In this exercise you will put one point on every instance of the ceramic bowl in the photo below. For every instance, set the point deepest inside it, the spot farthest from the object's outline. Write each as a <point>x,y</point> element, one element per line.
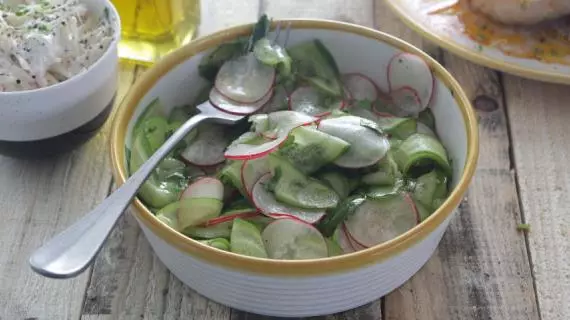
<point>309,287</point>
<point>50,120</point>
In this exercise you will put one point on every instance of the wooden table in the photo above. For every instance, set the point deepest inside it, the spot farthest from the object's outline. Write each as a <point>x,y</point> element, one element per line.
<point>484,267</point>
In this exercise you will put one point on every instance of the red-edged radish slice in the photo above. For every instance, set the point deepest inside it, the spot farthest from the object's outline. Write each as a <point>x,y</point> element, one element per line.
<point>366,146</point>
<point>283,216</point>
<point>245,79</point>
<point>265,202</point>
<point>291,239</point>
<point>307,100</point>
<point>409,70</point>
<point>206,187</point>
<point>221,102</point>
<point>407,100</point>
<point>342,240</point>
<point>243,151</point>
<point>353,243</point>
<point>207,149</point>
<point>378,221</point>
<point>279,101</point>
<point>360,86</point>
<point>222,219</point>
<point>252,171</point>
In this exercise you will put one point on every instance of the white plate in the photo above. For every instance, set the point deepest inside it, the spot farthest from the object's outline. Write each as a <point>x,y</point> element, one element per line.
<point>440,22</point>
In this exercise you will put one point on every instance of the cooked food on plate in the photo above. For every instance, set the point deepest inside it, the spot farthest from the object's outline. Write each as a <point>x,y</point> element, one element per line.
<point>522,12</point>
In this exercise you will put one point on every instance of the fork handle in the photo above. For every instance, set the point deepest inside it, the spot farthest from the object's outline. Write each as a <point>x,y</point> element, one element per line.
<point>72,251</point>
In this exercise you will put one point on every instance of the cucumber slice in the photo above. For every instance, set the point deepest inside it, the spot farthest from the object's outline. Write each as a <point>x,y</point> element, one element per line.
<point>244,151</point>
<point>309,149</point>
<point>333,247</point>
<point>195,211</point>
<point>205,188</point>
<point>429,187</point>
<point>154,109</point>
<point>218,100</point>
<point>411,71</point>
<point>168,215</point>
<point>219,243</point>
<point>423,212</point>
<point>292,187</point>
<point>245,79</point>
<point>291,239</point>
<point>378,221</point>
<point>309,101</point>
<point>401,128</point>
<point>252,171</point>
<point>366,146</point>
<point>386,174</point>
<point>280,123</point>
<point>316,65</point>
<point>419,153</point>
<point>424,129</point>
<point>360,86</point>
<point>266,203</point>
<point>208,147</point>
<point>334,218</point>
<point>246,239</point>
<point>272,55</point>
<point>342,240</point>
<point>338,182</point>
<point>231,174</point>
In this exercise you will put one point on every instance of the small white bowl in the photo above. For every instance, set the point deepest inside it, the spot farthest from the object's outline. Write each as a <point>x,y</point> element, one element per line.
<point>54,119</point>
<point>307,287</point>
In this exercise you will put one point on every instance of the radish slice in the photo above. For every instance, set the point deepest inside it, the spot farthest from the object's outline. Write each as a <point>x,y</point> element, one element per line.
<point>360,86</point>
<point>206,187</point>
<point>228,218</point>
<point>308,101</point>
<point>279,101</point>
<point>252,171</point>
<point>353,243</point>
<point>243,151</point>
<point>282,122</point>
<point>291,239</point>
<point>221,102</point>
<point>245,79</point>
<point>378,221</point>
<point>341,238</point>
<point>265,202</point>
<point>409,70</point>
<point>207,149</point>
<point>366,146</point>
<point>407,100</point>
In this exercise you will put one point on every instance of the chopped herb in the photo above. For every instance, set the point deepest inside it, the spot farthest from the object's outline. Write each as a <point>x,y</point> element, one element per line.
<point>523,227</point>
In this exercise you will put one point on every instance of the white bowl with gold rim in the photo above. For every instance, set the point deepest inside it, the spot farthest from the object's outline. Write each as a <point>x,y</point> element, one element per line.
<point>307,287</point>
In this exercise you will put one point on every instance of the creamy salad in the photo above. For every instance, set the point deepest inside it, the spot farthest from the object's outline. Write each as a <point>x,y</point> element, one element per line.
<point>46,42</point>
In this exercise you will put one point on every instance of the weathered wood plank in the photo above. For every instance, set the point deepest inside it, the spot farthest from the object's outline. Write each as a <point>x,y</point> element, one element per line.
<point>128,280</point>
<point>480,270</point>
<point>538,116</point>
<point>359,12</point>
<point>38,200</point>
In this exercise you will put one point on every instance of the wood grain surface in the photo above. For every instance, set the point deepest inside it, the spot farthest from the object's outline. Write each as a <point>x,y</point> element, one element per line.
<point>484,267</point>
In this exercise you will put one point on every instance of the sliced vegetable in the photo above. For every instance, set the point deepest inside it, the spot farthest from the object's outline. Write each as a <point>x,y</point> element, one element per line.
<point>231,174</point>
<point>333,248</point>
<point>315,64</point>
<point>292,187</point>
<point>291,239</point>
<point>411,71</point>
<point>386,174</point>
<point>422,128</point>
<point>338,182</point>
<point>205,188</point>
<point>334,218</point>
<point>195,211</point>
<point>386,191</point>
<point>340,237</point>
<point>366,145</point>
<point>400,128</point>
<point>218,243</point>
<point>360,86</point>
<point>252,171</point>
<point>245,79</point>
<point>211,64</point>
<point>246,239</point>
<point>272,55</point>
<point>378,221</point>
<point>310,101</point>
<point>233,107</point>
<point>208,147</point>
<point>280,123</point>
<point>265,201</point>
<point>279,101</point>
<point>154,109</point>
<point>309,149</point>
<point>419,153</point>
<point>168,215</point>
<point>244,151</point>
<point>407,100</point>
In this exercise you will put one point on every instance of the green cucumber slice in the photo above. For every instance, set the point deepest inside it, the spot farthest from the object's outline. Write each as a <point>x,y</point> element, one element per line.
<point>339,182</point>
<point>246,239</point>
<point>419,153</point>
<point>333,247</point>
<point>195,211</point>
<point>291,239</point>
<point>218,243</point>
<point>334,218</point>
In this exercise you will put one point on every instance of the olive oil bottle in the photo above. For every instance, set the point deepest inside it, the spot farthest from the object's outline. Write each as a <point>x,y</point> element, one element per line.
<point>153,28</point>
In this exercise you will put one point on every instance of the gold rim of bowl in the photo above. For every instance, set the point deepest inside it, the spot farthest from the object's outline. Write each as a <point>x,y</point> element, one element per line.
<point>475,56</point>
<point>242,263</point>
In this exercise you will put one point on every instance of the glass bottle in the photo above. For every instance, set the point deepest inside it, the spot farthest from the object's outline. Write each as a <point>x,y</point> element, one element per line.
<point>153,28</point>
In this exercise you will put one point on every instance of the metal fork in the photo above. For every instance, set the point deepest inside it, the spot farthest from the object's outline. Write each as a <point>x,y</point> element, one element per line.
<point>72,251</point>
